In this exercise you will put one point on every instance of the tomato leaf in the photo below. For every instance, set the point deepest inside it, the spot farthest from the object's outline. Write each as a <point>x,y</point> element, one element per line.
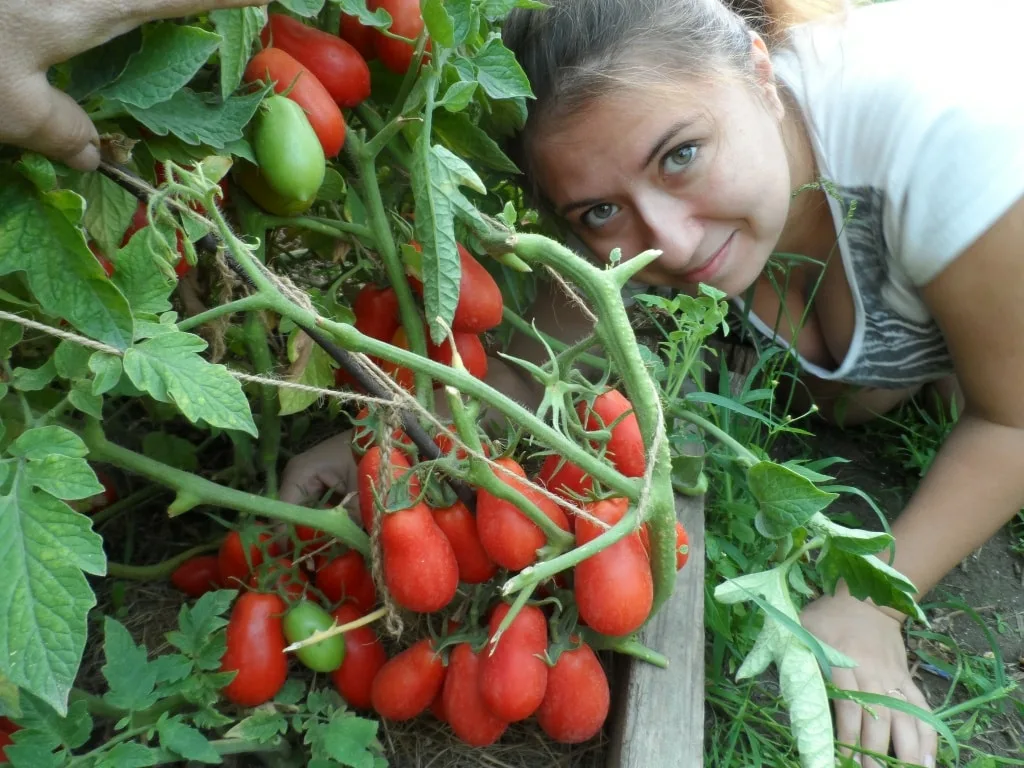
<point>36,237</point>
<point>171,55</point>
<point>44,597</point>
<point>787,499</point>
<point>34,379</point>
<point>198,635</point>
<point>239,28</point>
<point>462,15</point>
<point>147,288</point>
<point>468,140</point>
<point>348,738</point>
<point>439,24</point>
<point>379,18</point>
<point>10,334</point>
<point>187,742</point>
<point>129,754</point>
<point>170,369</point>
<point>498,72</point>
<point>71,360</point>
<point>494,10</point>
<point>107,369</point>
<point>63,476</point>
<point>316,371</point>
<point>38,170</point>
<point>129,674</point>
<point>307,8</point>
<point>108,211</point>
<point>41,442</point>
<point>263,726</point>
<point>458,96</point>
<point>102,65</point>
<point>868,576</point>
<point>852,540</point>
<point>199,118</point>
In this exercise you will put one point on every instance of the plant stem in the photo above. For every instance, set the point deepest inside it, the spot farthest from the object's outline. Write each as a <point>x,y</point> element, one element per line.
<point>330,227</point>
<point>270,411</point>
<point>340,526</point>
<point>625,645</point>
<point>225,747</point>
<point>743,454</point>
<point>157,571</point>
<point>95,705</point>
<point>252,302</point>
<point>398,105</point>
<point>375,146</point>
<point>557,345</point>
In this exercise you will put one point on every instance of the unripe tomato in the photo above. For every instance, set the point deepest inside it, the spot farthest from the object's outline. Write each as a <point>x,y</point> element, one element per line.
<point>364,657</point>
<point>577,699</point>
<point>513,674</point>
<point>420,569</point>
<point>197,576</point>
<point>625,448</point>
<point>251,179</point>
<point>301,622</point>
<point>255,649</point>
<point>461,702</point>
<point>407,22</point>
<point>288,152</point>
<point>480,302</point>
<point>471,351</point>
<point>334,62</point>
<point>614,588</point>
<point>407,684</point>
<point>358,36</point>
<point>459,527</point>
<point>306,91</point>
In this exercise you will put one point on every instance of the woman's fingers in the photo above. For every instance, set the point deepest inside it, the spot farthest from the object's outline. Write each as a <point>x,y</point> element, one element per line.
<point>848,713</point>
<point>875,732</point>
<point>927,737</point>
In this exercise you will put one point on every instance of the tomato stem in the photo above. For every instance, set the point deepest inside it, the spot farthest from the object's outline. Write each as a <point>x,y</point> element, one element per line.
<point>744,455</point>
<point>157,571</point>
<point>513,611</point>
<point>398,105</point>
<point>140,496</point>
<point>255,336</point>
<point>253,302</point>
<point>329,227</point>
<point>519,324</point>
<point>629,646</point>
<point>338,629</point>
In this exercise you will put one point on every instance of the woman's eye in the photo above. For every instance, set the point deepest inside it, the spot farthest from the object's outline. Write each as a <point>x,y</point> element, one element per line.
<point>599,215</point>
<point>679,158</point>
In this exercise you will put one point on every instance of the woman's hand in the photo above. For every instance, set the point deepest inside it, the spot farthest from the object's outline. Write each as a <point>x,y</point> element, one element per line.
<point>36,35</point>
<point>327,465</point>
<point>872,639</point>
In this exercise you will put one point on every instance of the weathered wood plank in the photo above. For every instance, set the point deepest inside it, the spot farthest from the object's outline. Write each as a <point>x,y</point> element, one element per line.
<point>658,720</point>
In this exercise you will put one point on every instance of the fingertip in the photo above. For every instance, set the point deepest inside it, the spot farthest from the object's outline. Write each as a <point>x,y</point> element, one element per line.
<point>86,159</point>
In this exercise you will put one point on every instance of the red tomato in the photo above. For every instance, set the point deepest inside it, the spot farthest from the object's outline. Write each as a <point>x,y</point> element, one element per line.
<point>197,576</point>
<point>577,699</point>
<point>513,674</point>
<point>563,477</point>
<point>480,301</point>
<point>231,558</point>
<point>107,264</point>
<point>682,543</point>
<point>625,449</point>
<point>368,474</point>
<point>8,726</point>
<point>334,62</point>
<point>346,578</point>
<point>364,657</point>
<point>614,589</point>
<point>459,527</point>
<point>470,348</point>
<point>281,576</point>
<point>404,376</point>
<point>461,703</point>
<point>406,22</point>
<point>377,316</point>
<point>358,36</point>
<point>509,537</point>
<point>308,92</point>
<point>255,648</point>
<point>364,433</point>
<point>420,569</point>
<point>5,741</point>
<point>408,682</point>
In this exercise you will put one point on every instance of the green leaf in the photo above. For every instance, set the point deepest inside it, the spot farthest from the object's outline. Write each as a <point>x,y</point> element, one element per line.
<point>10,335</point>
<point>41,442</point>
<point>199,625</point>
<point>107,369</point>
<point>239,28</point>
<point>101,65</point>
<point>108,211</point>
<point>307,8</point>
<point>461,13</point>
<point>71,360</point>
<point>171,55</point>
<point>494,10</point>
<point>379,18</point>
<point>63,476</point>
<point>128,672</point>
<point>866,576</point>
<point>82,399</point>
<point>170,369</point>
<point>498,72</point>
<point>348,738</point>
<point>316,373</point>
<point>787,499</point>
<point>470,141</point>
<point>38,170</point>
<point>44,597</point>
<point>68,281</point>
<point>171,450</point>
<point>459,96</point>
<point>439,24</point>
<point>850,540</point>
<point>263,727</point>
<point>129,754</point>
<point>187,742</point>
<point>200,118</point>
<point>139,276</point>
<point>333,187</point>
<point>34,379</point>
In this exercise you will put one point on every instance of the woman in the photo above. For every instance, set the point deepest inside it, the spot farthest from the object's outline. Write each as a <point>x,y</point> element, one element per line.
<point>886,144</point>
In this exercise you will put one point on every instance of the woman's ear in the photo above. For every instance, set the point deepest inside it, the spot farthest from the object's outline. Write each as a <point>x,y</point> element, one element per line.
<point>764,75</point>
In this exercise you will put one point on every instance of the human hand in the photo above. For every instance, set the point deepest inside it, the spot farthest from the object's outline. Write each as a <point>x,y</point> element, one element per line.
<point>312,473</point>
<point>36,35</point>
<point>872,639</point>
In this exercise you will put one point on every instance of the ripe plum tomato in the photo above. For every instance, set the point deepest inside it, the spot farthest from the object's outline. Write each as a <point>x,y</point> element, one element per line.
<point>197,576</point>
<point>407,22</point>
<point>407,684</point>
<point>255,649</point>
<point>462,704</point>
<point>480,304</point>
<point>577,698</point>
<point>419,564</point>
<point>513,674</point>
<point>625,448</point>
<point>364,656</point>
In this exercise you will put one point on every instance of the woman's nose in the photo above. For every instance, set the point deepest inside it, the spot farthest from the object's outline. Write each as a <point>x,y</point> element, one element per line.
<point>672,229</point>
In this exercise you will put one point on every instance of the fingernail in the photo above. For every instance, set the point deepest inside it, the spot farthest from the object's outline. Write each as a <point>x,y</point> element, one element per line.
<point>929,761</point>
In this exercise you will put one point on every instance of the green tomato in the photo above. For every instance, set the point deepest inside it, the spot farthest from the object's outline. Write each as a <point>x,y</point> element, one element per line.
<point>250,179</point>
<point>301,622</point>
<point>288,152</point>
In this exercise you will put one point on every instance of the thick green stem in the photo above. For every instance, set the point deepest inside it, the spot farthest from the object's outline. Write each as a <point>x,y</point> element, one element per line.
<point>743,454</point>
<point>338,525</point>
<point>557,345</point>
<point>250,303</point>
<point>376,145</point>
<point>330,227</point>
<point>270,410</point>
<point>625,645</point>
<point>398,106</point>
<point>95,704</point>
<point>157,571</point>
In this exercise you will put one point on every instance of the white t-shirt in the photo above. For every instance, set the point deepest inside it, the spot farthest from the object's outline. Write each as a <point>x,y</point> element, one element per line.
<point>916,113</point>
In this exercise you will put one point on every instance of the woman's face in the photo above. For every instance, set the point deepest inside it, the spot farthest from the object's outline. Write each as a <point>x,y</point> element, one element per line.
<point>703,177</point>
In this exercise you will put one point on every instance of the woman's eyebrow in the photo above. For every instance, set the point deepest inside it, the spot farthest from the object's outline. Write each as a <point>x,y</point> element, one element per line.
<point>664,139</point>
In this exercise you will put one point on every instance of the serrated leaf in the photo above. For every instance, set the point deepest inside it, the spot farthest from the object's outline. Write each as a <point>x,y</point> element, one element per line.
<point>34,755</point>
<point>200,119</point>
<point>107,369</point>
<point>458,96</point>
<point>378,18</point>
<point>291,692</point>
<point>34,379</point>
<point>499,73</point>
<point>63,476</point>
<point>128,672</point>
<point>199,622</point>
<point>307,8</point>
<point>187,742</point>
<point>439,24</point>
<point>37,169</point>
<point>263,726</point>
<point>44,547</point>
<point>108,211</point>
<point>239,28</point>
<point>316,373</point>
<point>40,442</point>
<point>787,499</point>
<point>140,278</point>
<point>347,739</point>
<point>100,66</point>
<point>171,55</point>
<point>866,576</point>
<point>68,281</point>
<point>170,369</point>
<point>129,754</point>
<point>470,141</point>
<point>171,667</point>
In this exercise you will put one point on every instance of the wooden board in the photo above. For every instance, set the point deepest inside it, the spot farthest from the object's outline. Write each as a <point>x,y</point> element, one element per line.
<point>658,720</point>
